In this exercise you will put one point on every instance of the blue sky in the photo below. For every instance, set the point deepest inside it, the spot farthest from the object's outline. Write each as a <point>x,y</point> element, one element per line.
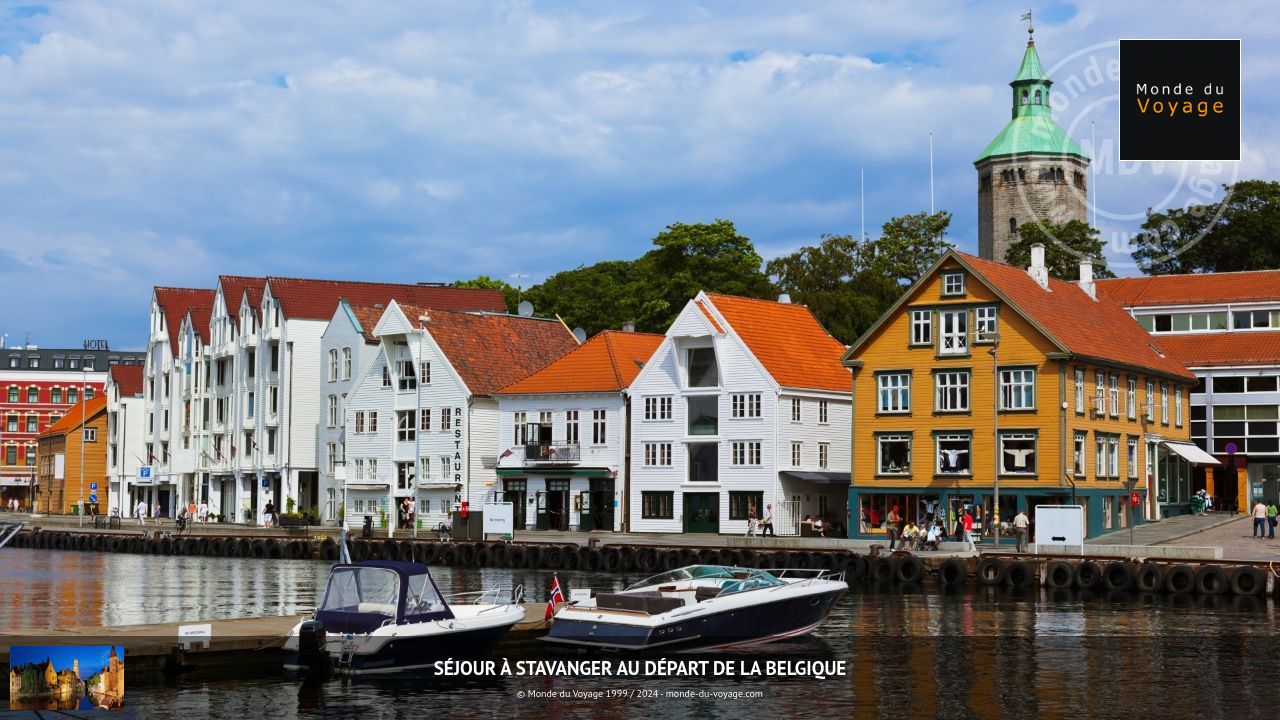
<point>92,657</point>
<point>146,143</point>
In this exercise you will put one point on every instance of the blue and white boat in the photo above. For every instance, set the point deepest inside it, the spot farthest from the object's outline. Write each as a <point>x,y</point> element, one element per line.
<point>379,616</point>
<point>701,607</point>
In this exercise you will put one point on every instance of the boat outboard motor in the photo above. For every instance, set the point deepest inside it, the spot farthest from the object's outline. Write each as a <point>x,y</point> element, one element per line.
<point>312,653</point>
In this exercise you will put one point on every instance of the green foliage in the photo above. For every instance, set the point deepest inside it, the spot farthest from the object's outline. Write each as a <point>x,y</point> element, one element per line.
<point>1239,235</point>
<point>910,244</point>
<point>510,293</point>
<point>596,297</point>
<point>1065,245</point>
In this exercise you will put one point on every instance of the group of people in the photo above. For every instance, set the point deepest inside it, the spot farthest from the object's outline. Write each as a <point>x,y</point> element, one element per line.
<point>408,513</point>
<point>1264,520</point>
<point>930,530</point>
<point>820,527</point>
<point>12,504</point>
<point>763,523</point>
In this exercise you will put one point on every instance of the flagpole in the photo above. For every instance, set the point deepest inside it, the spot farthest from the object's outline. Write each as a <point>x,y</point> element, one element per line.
<point>930,173</point>
<point>862,203</point>
<point>1093,139</point>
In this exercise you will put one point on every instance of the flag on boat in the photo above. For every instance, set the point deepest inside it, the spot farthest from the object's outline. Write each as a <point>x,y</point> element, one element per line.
<point>557,595</point>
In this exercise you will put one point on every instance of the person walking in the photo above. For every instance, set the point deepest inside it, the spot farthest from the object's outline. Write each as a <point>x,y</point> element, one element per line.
<point>766,521</point>
<point>751,520</point>
<point>968,530</point>
<point>203,512</point>
<point>1020,523</point>
<point>1272,510</point>
<point>142,512</point>
<point>268,514</point>
<point>891,526</point>
<point>1259,520</point>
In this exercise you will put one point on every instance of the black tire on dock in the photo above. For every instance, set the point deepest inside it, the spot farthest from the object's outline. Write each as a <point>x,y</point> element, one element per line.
<point>1179,579</point>
<point>1248,580</point>
<point>1087,575</point>
<point>83,543</point>
<point>989,571</point>
<point>731,557</point>
<point>953,571</point>
<point>1059,575</point>
<point>484,556</point>
<point>1149,578</point>
<point>688,557</point>
<point>258,549</point>
<point>628,553</point>
<point>570,559</point>
<point>646,560</point>
<point>828,561</point>
<point>1118,576</point>
<point>1018,575</point>
<point>882,569</point>
<point>329,551</point>
<point>407,551</point>
<point>854,567</point>
<point>498,554</point>
<point>360,550</point>
<point>449,556</point>
<point>611,559</point>
<point>515,557</point>
<point>420,552</point>
<point>1212,580</point>
<point>274,550</point>
<point>589,559</point>
<point>750,558</point>
<point>166,546</point>
<point>202,546</point>
<point>801,560</point>
<point>533,557</point>
<point>299,549</point>
<point>551,557</point>
<point>244,548</point>
<point>780,560</point>
<point>709,557</point>
<point>909,570</point>
<point>466,554</point>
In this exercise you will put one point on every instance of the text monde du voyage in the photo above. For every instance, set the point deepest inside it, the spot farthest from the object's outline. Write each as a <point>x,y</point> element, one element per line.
<point>1179,99</point>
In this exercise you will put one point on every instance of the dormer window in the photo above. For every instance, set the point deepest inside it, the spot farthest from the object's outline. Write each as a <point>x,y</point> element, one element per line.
<point>953,283</point>
<point>702,368</point>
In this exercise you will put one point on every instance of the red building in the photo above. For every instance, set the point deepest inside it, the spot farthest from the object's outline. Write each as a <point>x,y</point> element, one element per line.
<point>37,387</point>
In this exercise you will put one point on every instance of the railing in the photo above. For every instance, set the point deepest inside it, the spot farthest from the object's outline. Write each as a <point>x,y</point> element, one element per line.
<point>551,453</point>
<point>787,518</point>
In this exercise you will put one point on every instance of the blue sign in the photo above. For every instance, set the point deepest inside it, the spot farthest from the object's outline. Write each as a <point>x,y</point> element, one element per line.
<point>144,473</point>
<point>266,483</point>
<point>93,497</point>
<point>93,487</point>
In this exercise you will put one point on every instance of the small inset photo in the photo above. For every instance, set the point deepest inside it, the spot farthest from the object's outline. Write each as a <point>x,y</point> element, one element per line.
<point>66,677</point>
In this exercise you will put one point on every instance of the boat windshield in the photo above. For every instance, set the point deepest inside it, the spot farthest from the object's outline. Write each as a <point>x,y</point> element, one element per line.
<point>421,596</point>
<point>362,590</point>
<point>693,572</point>
<point>757,581</point>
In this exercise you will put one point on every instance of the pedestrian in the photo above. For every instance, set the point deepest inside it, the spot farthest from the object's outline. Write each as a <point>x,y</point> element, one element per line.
<point>142,512</point>
<point>910,536</point>
<point>891,525</point>
<point>933,536</point>
<point>1020,523</point>
<point>1259,520</point>
<point>268,514</point>
<point>968,530</point>
<point>1271,520</point>
<point>155,511</point>
<point>751,520</point>
<point>203,512</point>
<point>766,522</point>
<point>413,512</point>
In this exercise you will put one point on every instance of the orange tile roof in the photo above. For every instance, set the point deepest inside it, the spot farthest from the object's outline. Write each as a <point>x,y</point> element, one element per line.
<point>128,378</point>
<point>1225,348</point>
<point>71,420</point>
<point>788,340</point>
<point>491,350</point>
<point>1095,329</point>
<point>233,289</point>
<point>176,302</point>
<point>368,317</point>
<point>607,362</point>
<point>1194,289</point>
<point>316,299</point>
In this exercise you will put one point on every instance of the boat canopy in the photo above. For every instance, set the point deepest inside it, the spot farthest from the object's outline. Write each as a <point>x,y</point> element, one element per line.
<point>367,595</point>
<point>738,578</point>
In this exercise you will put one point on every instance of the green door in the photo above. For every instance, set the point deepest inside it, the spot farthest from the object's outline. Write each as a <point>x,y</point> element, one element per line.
<point>597,506</point>
<point>701,512</point>
<point>543,519</point>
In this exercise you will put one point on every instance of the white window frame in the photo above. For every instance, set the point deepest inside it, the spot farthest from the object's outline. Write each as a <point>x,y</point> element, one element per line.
<point>1099,392</point>
<point>940,438</point>
<point>1131,399</point>
<point>1149,408</point>
<point>921,327</point>
<point>744,406</point>
<point>346,363</point>
<point>1019,435</point>
<point>1014,379</point>
<point>953,283</point>
<point>893,393</point>
<point>1132,458</point>
<point>1177,406</point>
<point>657,454</point>
<point>1113,459</point>
<point>745,453</point>
<point>944,388</point>
<point>1080,407</point>
<point>892,437</point>
<point>824,454</point>
<point>1113,394</point>
<point>1080,465</point>
<point>957,337</point>
<point>1164,403</point>
<point>795,410</point>
<point>332,411</point>
<point>1100,455</point>
<point>333,365</point>
<point>797,450</point>
<point>599,427</point>
<point>984,325</point>
<point>657,407</point>
<point>823,410</point>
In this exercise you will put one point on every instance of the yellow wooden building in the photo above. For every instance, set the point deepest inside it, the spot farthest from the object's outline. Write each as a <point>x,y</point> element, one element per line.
<point>71,460</point>
<point>1090,409</point>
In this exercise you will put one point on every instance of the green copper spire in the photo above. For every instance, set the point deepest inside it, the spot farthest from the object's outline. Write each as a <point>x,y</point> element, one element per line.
<point>1030,69</point>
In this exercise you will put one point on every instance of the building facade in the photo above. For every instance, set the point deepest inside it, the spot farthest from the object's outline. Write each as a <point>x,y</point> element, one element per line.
<point>744,404</point>
<point>71,460</point>
<point>982,370</point>
<point>1032,170</point>
<point>563,455</point>
<point>126,446</point>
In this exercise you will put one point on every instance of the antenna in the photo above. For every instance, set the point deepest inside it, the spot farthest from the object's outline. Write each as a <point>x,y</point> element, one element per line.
<point>930,173</point>
<point>1093,138</point>
<point>580,334</point>
<point>525,309</point>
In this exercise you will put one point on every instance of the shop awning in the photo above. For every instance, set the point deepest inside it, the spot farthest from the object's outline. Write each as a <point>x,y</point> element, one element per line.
<point>438,486</point>
<point>1191,453</point>
<point>555,472</point>
<point>822,478</point>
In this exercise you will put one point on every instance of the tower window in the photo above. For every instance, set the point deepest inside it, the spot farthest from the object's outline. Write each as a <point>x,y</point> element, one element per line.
<point>1037,97</point>
<point>1022,174</point>
<point>1024,97</point>
<point>1062,176</point>
<point>984,182</point>
<point>1079,179</point>
<point>1013,225</point>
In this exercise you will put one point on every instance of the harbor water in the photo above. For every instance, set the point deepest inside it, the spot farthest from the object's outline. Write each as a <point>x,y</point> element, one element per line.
<point>911,652</point>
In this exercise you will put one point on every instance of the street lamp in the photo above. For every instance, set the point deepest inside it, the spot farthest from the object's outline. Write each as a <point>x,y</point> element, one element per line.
<point>84,423</point>
<point>993,337</point>
<point>417,420</point>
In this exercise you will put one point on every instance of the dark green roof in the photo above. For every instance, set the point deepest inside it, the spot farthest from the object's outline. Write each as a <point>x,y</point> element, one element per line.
<point>1030,69</point>
<point>1031,135</point>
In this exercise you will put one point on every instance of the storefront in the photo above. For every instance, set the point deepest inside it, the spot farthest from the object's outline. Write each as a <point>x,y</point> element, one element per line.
<point>1171,467</point>
<point>582,499</point>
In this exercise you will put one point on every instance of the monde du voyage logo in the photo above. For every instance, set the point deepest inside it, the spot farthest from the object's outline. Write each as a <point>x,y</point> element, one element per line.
<point>1180,100</point>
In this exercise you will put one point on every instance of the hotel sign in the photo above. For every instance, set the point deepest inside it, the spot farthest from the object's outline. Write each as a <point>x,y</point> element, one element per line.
<point>97,345</point>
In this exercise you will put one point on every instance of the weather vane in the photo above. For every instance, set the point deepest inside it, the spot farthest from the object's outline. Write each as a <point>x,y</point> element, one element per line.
<point>1027,16</point>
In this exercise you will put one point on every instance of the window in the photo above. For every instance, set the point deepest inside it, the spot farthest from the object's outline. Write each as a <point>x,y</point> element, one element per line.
<point>91,434</point>
<point>74,363</point>
<point>746,405</point>
<point>953,454</point>
<point>953,283</point>
<point>405,377</point>
<point>795,409</point>
<point>333,365</point>
<point>1131,399</point>
<point>704,414</point>
<point>657,454</point>
<point>895,392</point>
<point>32,424</point>
<point>55,395</point>
<point>1177,406</point>
<point>33,395</point>
<point>31,454</point>
<point>332,411</point>
<point>1132,465</point>
<point>702,368</point>
<point>271,441</point>
<point>1255,319</point>
<point>571,427</point>
<point>273,398</point>
<point>346,363</point>
<point>373,470</point>
<point>424,371</point>
<point>1108,512</point>
<point>424,419</point>
<point>954,337</point>
<point>446,418</point>
<point>250,363</point>
<point>405,425</point>
<point>1099,392</point>
<point>599,434</point>
<point>894,453</point>
<point>14,361</point>
<point>743,504</point>
<point>89,392</point>
<point>1078,459</point>
<point>519,428</point>
<point>1164,404</point>
<point>1113,395</point>
<point>985,322</point>
<point>921,327</point>
<point>822,412</point>
<point>248,406</point>
<point>11,455</point>
<point>73,395</point>
<point>386,376</point>
<point>1113,456</point>
<point>11,424</point>
<point>1100,459</point>
<point>331,457</point>
<point>359,421</point>
<point>404,476</point>
<point>951,391</point>
<point>1150,408</point>
<point>1018,453</point>
<point>372,419</point>
<point>13,394</point>
<point>795,453</point>
<point>704,459</point>
<point>1018,389</point>
<point>657,505</point>
<point>745,453</point>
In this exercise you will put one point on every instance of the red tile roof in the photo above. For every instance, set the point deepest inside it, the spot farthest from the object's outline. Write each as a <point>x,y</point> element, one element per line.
<point>368,317</point>
<point>1194,289</point>
<point>71,420</point>
<point>788,340</point>
<point>176,302</point>
<point>1225,348</point>
<point>316,299</point>
<point>128,378</point>
<point>1095,329</point>
<point>491,351</point>
<point>234,288</point>
<point>607,362</point>
<point>200,315</point>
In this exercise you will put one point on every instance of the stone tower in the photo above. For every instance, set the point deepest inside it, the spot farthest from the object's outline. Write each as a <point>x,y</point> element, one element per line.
<point>1032,170</point>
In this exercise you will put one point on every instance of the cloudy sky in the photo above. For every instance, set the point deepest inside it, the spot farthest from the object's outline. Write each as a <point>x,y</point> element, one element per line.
<point>161,143</point>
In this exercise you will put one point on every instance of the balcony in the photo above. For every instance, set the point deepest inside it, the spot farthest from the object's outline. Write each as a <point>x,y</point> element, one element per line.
<point>538,454</point>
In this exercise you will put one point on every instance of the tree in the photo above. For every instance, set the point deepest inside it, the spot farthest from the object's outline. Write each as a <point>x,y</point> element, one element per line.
<point>1238,234</point>
<point>595,297</point>
<point>510,293</point>
<point>839,282</point>
<point>1065,245</point>
<point>910,244</point>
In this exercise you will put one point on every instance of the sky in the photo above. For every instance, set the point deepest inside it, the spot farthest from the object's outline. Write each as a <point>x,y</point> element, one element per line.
<point>163,142</point>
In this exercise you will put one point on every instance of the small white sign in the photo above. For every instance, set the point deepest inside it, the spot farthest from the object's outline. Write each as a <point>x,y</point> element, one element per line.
<point>190,636</point>
<point>59,466</point>
<point>499,519</point>
<point>1059,525</point>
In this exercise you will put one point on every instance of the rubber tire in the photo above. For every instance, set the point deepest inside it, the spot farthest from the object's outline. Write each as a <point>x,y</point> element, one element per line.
<point>1212,580</point>
<point>1247,580</point>
<point>191,546</point>
<point>589,559</point>
<point>329,551</point>
<point>570,559</point>
<point>449,556</point>
<point>244,548</point>
<point>202,546</point>
<point>709,557</point>
<point>628,554</point>
<point>611,559</point>
<point>1179,579</point>
<point>166,547</point>
<point>515,558</point>
<point>1018,575</point>
<point>1087,575</point>
<point>497,554</point>
<point>953,571</point>
<point>646,560</point>
<point>551,558</point>
<point>882,570</point>
<point>855,568</point>
<point>360,551</point>
<point>909,570</point>
<point>533,557</point>
<point>831,561</point>
<point>1149,578</point>
<point>1118,576</point>
<point>406,551</point>
<point>688,557</point>
<point>732,558</point>
<point>1059,575</point>
<point>989,571</point>
<point>467,554</point>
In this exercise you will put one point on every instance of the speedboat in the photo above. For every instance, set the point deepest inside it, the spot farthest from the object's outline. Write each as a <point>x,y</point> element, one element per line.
<point>701,607</point>
<point>381,615</point>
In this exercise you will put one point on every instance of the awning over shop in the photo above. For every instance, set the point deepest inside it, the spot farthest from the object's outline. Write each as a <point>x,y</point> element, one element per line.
<point>1191,453</point>
<point>438,486</point>
<point>367,485</point>
<point>827,478</point>
<point>548,472</point>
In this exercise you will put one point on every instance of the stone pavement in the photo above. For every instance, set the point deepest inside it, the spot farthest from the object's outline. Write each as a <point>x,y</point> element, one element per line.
<point>1165,531</point>
<point>1235,537</point>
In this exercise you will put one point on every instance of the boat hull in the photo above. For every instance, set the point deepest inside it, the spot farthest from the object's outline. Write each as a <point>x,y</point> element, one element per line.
<point>407,651</point>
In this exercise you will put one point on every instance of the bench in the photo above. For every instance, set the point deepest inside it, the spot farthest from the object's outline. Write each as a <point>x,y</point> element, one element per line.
<point>647,603</point>
<point>442,532</point>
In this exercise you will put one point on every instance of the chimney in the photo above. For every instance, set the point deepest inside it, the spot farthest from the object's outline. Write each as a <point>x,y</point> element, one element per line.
<point>1038,271</point>
<point>1086,278</point>
<point>784,298</point>
<point>628,326</point>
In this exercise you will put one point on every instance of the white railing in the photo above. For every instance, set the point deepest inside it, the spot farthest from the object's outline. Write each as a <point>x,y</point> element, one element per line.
<point>787,518</point>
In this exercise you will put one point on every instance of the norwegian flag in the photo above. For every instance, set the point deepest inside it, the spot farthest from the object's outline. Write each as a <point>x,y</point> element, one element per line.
<point>557,595</point>
<point>505,453</point>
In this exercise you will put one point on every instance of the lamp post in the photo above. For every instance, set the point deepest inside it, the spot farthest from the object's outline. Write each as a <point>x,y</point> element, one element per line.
<point>993,337</point>
<point>84,423</point>
<point>417,420</point>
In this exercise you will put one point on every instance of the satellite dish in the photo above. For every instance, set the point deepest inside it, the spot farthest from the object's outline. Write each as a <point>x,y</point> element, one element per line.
<point>525,308</point>
<point>580,334</point>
